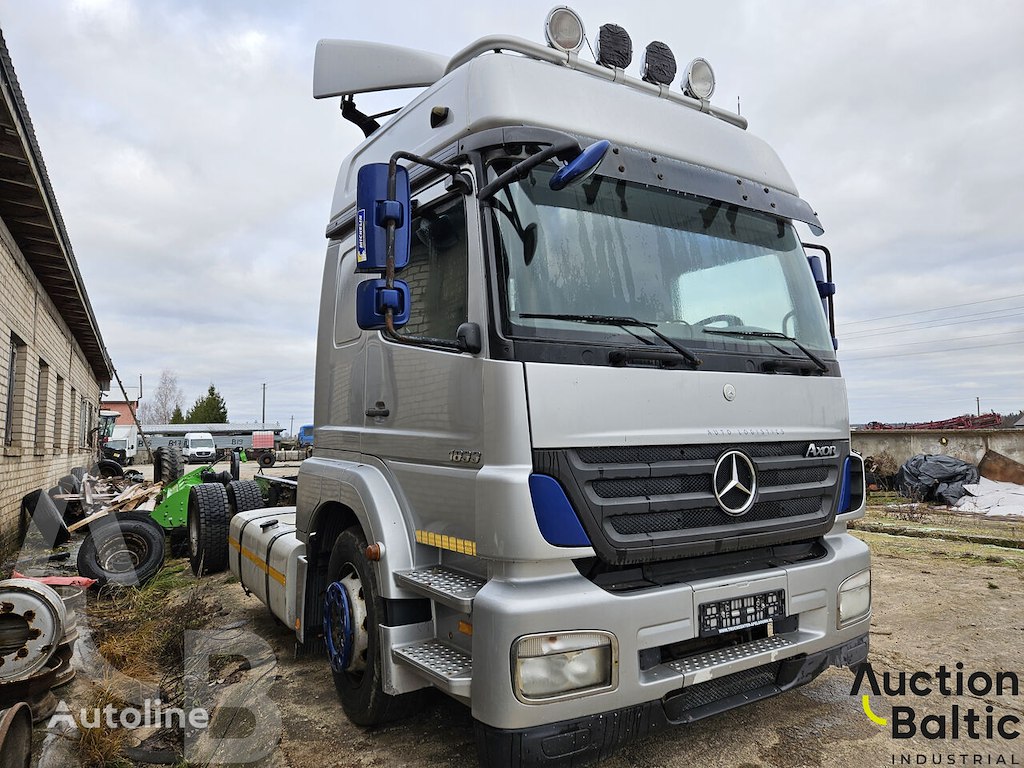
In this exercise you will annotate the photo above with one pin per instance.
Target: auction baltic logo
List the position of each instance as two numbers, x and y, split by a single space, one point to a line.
986 727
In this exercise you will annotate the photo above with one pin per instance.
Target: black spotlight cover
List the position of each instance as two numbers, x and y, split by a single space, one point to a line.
659 64
614 48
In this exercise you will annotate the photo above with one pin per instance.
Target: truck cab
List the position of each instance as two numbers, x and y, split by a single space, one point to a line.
582 450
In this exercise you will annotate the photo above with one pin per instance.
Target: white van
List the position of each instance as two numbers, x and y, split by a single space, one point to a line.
199 448
123 444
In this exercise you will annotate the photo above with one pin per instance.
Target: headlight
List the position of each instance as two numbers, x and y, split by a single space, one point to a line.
563 664
854 598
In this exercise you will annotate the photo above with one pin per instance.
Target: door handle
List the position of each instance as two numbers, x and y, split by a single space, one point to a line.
379 410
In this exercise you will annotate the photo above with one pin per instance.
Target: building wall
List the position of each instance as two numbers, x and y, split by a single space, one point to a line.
124 410
968 445
56 395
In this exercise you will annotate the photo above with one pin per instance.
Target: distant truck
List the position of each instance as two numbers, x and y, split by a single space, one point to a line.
305 439
122 445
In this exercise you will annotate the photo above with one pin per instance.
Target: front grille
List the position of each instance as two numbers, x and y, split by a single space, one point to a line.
710 517
654 486
646 503
702 694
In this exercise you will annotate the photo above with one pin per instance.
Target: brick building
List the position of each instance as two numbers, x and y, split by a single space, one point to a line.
53 363
125 409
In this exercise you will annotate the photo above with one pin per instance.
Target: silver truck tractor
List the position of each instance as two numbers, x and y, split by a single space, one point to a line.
582 452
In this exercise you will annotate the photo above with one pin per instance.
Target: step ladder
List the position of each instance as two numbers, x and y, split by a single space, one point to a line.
444 664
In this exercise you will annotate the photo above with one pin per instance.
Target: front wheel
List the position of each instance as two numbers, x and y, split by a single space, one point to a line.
353 609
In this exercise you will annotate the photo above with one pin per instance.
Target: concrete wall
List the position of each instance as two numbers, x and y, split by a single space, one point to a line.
54 386
968 445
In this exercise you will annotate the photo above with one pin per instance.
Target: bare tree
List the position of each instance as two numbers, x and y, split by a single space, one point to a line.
160 406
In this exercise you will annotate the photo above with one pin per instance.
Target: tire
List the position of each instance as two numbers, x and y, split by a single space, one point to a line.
125 549
107 468
78 473
235 464
244 495
41 510
353 638
208 528
268 459
173 465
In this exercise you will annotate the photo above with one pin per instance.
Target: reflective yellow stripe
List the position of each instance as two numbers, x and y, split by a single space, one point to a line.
462 546
259 562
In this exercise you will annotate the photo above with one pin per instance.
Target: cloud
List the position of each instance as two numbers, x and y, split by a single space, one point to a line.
195 171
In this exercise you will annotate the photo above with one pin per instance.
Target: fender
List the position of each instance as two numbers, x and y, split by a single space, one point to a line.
369 493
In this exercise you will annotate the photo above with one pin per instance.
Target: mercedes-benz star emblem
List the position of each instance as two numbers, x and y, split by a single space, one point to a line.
735 483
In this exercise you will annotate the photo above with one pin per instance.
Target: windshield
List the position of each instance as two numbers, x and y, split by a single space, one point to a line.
117 445
201 442
616 248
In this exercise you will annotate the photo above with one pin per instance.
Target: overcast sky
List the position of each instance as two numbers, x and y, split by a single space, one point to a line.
194 172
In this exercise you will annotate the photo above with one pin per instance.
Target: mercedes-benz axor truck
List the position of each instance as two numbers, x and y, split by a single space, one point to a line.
582 453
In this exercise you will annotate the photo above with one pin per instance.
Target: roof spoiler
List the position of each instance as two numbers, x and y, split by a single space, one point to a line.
347 67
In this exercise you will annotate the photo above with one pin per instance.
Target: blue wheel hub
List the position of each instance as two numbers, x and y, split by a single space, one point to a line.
338 627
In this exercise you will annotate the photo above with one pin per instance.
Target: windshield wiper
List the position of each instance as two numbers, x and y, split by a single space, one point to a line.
624 323
773 335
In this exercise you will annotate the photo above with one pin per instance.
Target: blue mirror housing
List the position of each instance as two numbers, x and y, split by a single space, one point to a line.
374 210
374 299
826 290
580 168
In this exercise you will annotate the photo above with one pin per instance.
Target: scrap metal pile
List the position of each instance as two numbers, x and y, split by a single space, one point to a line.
982 421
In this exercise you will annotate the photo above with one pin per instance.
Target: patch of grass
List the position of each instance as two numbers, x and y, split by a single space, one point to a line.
100 747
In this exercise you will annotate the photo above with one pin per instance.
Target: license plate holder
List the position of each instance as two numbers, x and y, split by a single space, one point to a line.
735 613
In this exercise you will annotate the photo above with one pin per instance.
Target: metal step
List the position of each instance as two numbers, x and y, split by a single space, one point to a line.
735 658
447 667
445 585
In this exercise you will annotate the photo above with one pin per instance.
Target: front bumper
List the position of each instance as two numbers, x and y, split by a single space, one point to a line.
647 622
594 737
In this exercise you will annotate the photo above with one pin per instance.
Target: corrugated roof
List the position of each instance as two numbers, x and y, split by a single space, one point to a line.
29 209
236 428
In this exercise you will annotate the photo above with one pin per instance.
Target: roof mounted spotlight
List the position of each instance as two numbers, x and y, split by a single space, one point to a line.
658 65
563 29
614 48
699 82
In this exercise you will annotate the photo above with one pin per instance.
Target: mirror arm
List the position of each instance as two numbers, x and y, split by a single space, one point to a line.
519 171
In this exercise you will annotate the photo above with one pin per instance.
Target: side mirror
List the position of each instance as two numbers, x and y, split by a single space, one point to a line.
582 167
374 299
468 336
826 288
375 208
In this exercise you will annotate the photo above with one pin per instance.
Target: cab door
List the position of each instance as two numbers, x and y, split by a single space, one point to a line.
424 405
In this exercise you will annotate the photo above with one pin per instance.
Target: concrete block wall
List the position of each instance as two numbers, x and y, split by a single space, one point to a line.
967 445
54 386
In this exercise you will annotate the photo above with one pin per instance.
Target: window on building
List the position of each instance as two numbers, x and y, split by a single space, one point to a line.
15 405
83 423
72 424
42 403
58 414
